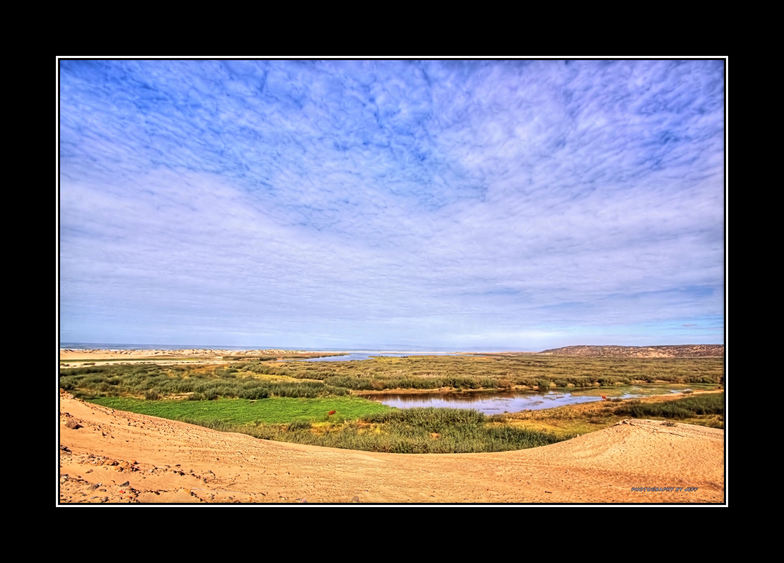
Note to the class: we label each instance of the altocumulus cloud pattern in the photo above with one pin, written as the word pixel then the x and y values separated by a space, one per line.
pixel 506 204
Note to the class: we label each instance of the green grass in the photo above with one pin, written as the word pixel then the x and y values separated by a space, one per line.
pixel 244 411
pixel 289 401
pixel 415 431
pixel 202 382
pixel 357 424
pixel 689 407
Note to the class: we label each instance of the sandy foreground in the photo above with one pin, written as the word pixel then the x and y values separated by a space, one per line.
pixel 110 456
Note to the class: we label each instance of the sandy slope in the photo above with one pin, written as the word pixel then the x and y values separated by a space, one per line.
pixel 119 457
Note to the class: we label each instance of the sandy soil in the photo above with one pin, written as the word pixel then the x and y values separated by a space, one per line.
pixel 109 456
pixel 67 354
pixel 77 357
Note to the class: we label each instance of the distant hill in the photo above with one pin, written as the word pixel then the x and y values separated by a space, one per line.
pixel 680 351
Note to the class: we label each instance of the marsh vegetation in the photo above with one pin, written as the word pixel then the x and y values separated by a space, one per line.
pixel 329 403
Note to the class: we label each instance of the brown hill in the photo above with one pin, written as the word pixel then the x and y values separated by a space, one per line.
pixel 678 351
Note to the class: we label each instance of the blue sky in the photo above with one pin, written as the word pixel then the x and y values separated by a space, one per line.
pixel 455 204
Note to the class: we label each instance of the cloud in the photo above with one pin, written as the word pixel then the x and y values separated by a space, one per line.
pixel 376 202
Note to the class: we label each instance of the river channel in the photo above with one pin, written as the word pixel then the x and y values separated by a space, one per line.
pixel 503 402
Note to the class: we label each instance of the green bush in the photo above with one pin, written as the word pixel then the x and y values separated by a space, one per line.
pixel 681 408
pixel 414 372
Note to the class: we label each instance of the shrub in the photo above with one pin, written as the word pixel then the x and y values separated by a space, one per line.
pixel 679 408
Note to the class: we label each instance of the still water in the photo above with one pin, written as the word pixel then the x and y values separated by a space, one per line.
pixel 367 354
pixel 499 403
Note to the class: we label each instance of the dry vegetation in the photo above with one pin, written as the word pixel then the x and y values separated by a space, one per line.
pixel 266 396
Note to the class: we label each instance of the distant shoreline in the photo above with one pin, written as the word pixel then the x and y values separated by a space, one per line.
pixel 75 346
pixel 658 351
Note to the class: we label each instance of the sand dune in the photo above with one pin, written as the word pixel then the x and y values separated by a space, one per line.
pixel 119 457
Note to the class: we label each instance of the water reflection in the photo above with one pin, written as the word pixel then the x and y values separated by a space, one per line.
pixel 353 357
pixel 367 354
pixel 499 403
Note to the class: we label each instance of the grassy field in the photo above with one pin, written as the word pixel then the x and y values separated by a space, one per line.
pixel 291 400
pixel 689 407
pixel 196 382
pixel 528 371
pixel 425 430
pixel 277 410
pixel 355 423
pixel 258 379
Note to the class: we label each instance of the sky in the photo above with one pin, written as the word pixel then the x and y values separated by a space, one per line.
pixel 445 204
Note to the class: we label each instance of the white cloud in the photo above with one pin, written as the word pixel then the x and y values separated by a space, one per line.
pixel 381 201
